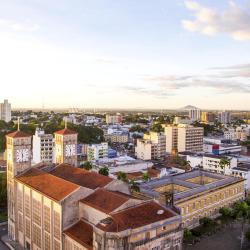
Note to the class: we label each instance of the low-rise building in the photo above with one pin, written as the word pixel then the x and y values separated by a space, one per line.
pixel 97 151
pixel 196 194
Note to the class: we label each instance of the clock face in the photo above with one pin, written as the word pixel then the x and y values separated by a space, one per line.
pixel 58 149
pixel 70 150
pixel 9 155
pixel 22 155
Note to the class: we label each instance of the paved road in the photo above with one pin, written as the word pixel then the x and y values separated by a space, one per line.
pixel 3 231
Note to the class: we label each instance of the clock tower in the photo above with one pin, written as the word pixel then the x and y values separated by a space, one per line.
pixel 18 146
pixel 66 146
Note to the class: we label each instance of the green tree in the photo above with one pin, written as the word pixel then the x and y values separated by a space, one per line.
pixel 3 190
pixel 122 176
pixel 104 171
pixel 146 176
pixel 157 127
pixel 87 165
pixel 224 162
pixel 206 222
pixel 225 212
pixel 134 186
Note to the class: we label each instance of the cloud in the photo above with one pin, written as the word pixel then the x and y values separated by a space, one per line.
pixel 19 26
pixel 234 21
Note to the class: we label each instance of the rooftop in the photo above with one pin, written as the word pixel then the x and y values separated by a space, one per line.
pixel 50 185
pixel 66 131
pixel 135 217
pixel 105 200
pixel 81 177
pixel 82 233
pixel 18 134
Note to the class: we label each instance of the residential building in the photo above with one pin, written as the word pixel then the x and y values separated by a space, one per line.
pixel 113 119
pixel 5 111
pixel 181 120
pixel 117 137
pixel 97 151
pixel 207 117
pixel 43 145
pixel 64 207
pixel 225 117
pixel 243 171
pixel 152 146
pixel 196 194
pixel 195 114
pixel 171 133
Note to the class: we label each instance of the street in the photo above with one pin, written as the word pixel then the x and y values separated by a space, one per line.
pixel 3 231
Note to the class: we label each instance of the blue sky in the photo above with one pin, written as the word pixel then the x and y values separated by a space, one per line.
pixel 125 53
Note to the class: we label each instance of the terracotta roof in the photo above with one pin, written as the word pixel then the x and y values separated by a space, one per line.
pixel 135 175
pixel 47 184
pixel 66 131
pixel 81 177
pixel 105 200
pixel 153 172
pixel 18 134
pixel 135 217
pixel 82 233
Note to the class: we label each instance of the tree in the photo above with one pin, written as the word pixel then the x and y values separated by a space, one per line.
pixel 241 211
pixel 104 171
pixel 206 221
pixel 3 190
pixel 122 176
pixel 87 165
pixel 157 127
pixel 146 176
pixel 225 212
pixel 134 186
pixel 224 162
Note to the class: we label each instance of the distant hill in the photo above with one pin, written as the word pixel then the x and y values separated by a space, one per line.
pixel 188 107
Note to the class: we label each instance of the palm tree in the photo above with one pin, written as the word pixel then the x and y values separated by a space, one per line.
pixel 104 171
pixel 134 186
pixel 241 211
pixel 224 162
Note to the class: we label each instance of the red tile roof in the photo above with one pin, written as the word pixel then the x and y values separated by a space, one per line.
pixel 48 184
pixel 66 131
pixel 82 233
pixel 81 177
pixel 18 134
pixel 105 200
pixel 135 217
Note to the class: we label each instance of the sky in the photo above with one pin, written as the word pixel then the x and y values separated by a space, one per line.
pixel 160 54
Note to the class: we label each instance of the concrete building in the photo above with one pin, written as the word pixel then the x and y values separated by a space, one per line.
pixel 97 151
pixel 117 137
pixel 43 145
pixel 225 117
pixel 113 119
pixel 67 208
pixel 237 134
pixel 243 171
pixel 207 117
pixel 184 137
pixel 152 146
pixel 195 114
pixel 5 111
pixel 196 194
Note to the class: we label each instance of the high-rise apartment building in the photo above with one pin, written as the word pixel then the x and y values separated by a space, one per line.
pixel 152 146
pixel 5 111
pixel 225 117
pixel 184 138
pixel 43 145
pixel 97 151
pixel 207 117
pixel 195 114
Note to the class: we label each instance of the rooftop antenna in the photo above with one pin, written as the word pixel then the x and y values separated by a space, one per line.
pixel 18 123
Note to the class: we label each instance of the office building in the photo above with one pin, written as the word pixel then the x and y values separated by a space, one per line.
pixel 43 145
pixel 5 111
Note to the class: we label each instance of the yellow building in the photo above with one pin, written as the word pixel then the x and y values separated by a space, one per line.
pixel 196 194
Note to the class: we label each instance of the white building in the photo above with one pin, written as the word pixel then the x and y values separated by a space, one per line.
pixel 225 117
pixel 243 171
pixel 113 119
pixel 42 147
pixel 195 114
pixel 97 151
pixel 5 111
pixel 240 133
pixel 152 146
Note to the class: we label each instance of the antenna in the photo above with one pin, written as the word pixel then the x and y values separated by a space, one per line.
pixel 18 123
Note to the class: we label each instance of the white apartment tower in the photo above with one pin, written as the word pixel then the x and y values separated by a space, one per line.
pixel 184 137
pixel 195 114
pixel 42 147
pixel 5 111
pixel 225 117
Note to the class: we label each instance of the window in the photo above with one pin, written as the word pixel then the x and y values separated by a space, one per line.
pixel 27 205
pixel 57 225
pixel 19 200
pixel 37 235
pixel 56 245
pixel 27 228
pixel 46 241
pixel 37 211
pixel 47 218
pixel 20 222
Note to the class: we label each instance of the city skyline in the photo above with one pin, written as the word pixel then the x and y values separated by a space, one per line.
pixel 106 54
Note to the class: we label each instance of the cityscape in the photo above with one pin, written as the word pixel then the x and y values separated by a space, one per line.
pixel 124 125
